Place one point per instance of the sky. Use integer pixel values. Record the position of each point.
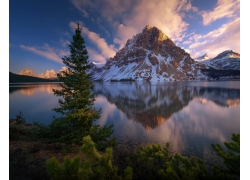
(41, 30)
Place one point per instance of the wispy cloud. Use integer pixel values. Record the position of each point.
(47, 52)
(79, 5)
(218, 40)
(106, 50)
(224, 8)
(64, 43)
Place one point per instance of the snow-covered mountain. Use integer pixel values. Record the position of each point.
(27, 72)
(49, 74)
(152, 56)
(227, 60)
(202, 58)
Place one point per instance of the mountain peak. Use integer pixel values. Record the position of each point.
(155, 32)
(147, 27)
(151, 38)
(203, 57)
(227, 54)
(27, 72)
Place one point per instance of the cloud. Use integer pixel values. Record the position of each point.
(187, 42)
(225, 37)
(47, 52)
(187, 50)
(64, 43)
(79, 5)
(224, 8)
(95, 56)
(128, 18)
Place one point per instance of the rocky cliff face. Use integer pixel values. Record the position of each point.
(27, 72)
(152, 56)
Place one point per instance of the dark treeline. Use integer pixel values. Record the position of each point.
(218, 74)
(15, 78)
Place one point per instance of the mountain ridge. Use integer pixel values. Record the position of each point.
(226, 60)
(152, 56)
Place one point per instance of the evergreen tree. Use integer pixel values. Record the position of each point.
(76, 106)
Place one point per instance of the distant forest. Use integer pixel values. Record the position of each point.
(220, 74)
(15, 78)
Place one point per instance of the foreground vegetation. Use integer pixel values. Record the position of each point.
(35, 158)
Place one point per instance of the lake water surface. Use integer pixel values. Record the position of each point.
(188, 115)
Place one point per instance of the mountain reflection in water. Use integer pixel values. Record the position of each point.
(188, 115)
(153, 105)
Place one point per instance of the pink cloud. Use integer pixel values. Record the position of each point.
(47, 52)
(78, 4)
(95, 56)
(224, 8)
(224, 38)
(187, 42)
(156, 14)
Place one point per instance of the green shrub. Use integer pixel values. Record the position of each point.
(96, 166)
(156, 162)
(231, 159)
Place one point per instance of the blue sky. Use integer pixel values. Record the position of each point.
(40, 30)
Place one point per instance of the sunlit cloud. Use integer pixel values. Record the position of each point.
(47, 52)
(187, 50)
(224, 38)
(129, 17)
(224, 8)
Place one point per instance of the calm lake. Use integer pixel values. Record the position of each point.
(189, 115)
